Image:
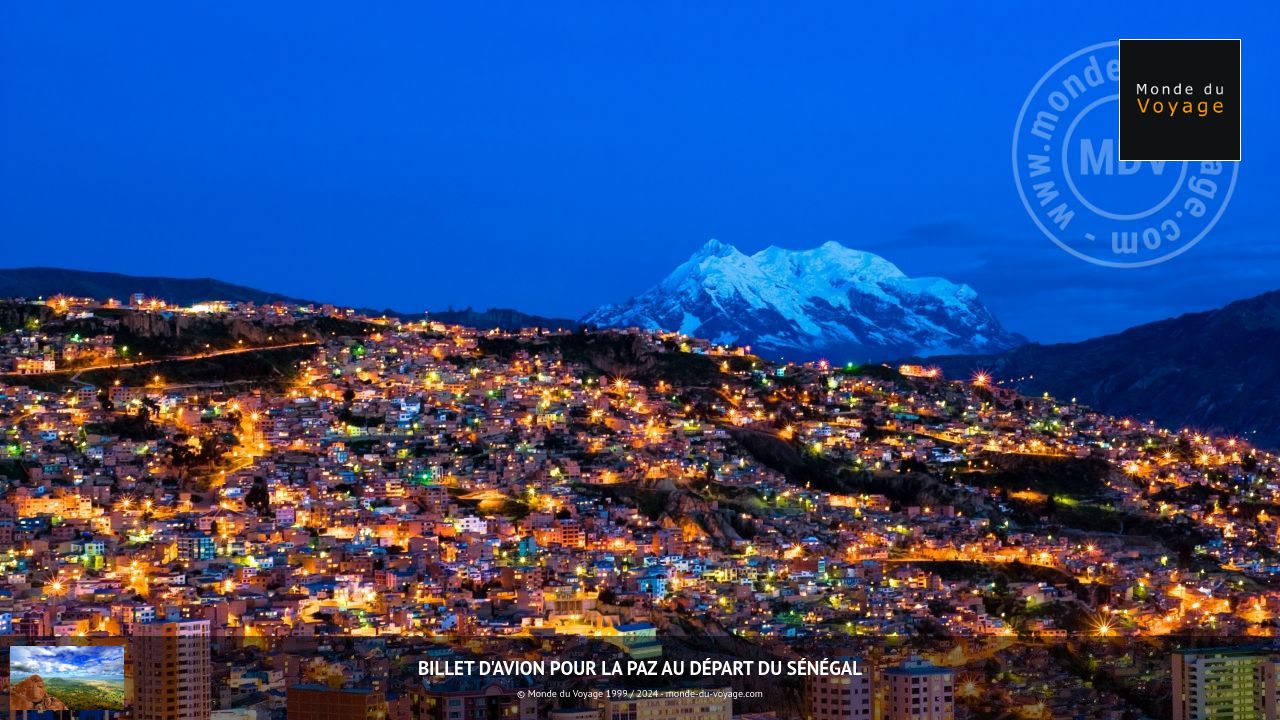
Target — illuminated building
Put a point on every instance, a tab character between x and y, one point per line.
838	697
919	690
171	668
1269	688
919	371
196	547
1221	684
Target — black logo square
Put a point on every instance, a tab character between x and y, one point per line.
1179	100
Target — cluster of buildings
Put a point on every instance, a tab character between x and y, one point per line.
64	334
914	688
416	479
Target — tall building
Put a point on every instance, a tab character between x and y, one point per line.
711	704
1269	688
195	546
838	697
919	690
320	702
1223	684
171	666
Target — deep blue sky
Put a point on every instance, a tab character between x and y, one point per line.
555	156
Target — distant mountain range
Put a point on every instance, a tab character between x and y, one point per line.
1216	371
829	302
504	318
35	282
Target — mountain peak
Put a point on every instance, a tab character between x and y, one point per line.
828	301
714	248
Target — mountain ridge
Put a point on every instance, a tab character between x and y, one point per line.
43	281
1212	370
830	301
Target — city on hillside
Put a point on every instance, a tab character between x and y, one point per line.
266	477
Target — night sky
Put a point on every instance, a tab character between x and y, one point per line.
556	156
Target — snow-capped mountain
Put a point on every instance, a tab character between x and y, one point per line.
829	302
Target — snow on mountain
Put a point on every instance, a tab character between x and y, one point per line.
830	302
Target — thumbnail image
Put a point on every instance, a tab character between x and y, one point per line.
65	678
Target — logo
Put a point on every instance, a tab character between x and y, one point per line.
1180	100
1070	178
